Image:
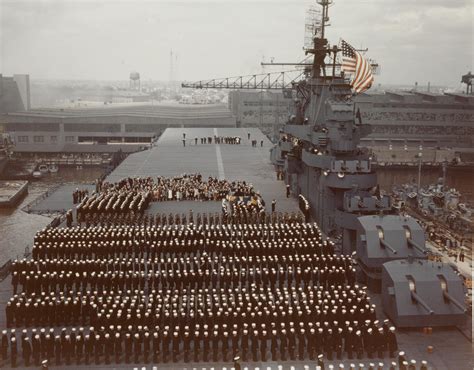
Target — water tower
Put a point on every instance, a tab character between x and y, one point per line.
135	81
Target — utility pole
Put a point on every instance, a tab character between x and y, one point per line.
420	155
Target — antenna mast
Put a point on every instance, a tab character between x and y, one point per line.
320	48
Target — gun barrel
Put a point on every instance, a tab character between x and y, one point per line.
454	301
420	301
388	246
416	246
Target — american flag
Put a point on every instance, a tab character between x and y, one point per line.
356	65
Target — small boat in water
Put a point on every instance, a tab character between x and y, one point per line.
43	168
53	168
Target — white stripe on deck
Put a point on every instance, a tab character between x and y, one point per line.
138	172
220	165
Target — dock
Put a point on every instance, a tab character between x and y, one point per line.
11	192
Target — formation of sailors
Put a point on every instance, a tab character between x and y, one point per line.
112	202
199	342
136	293
212	218
235	140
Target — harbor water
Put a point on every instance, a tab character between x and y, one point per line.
17	228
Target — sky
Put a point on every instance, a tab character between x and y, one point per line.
412	40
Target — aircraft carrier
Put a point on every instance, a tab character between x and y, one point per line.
308	259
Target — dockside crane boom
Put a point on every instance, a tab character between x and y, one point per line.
263	81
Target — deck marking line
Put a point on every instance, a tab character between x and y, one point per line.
220	165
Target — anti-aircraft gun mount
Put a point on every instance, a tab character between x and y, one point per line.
320	158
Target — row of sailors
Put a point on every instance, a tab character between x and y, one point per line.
142	344
171	239
68	280
210	220
188	264
169	232
151	250
113	203
312	303
216	218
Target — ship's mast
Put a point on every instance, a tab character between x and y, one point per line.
320	44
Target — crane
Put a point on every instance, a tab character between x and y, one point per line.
266	81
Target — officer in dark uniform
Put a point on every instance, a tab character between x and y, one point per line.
36	349
225	345
392	342
301	343
88	348
57	349
69	218
175	346
197	344
4	345
13	351
206	346
165	345
128	347
329	345
379	342
349	342
292	343
274	344
109	348
79	346
98	345
156	345
337	343
215	343
358	344
26	351
369	342
263	345
254	345
137	348
283	344
244	344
